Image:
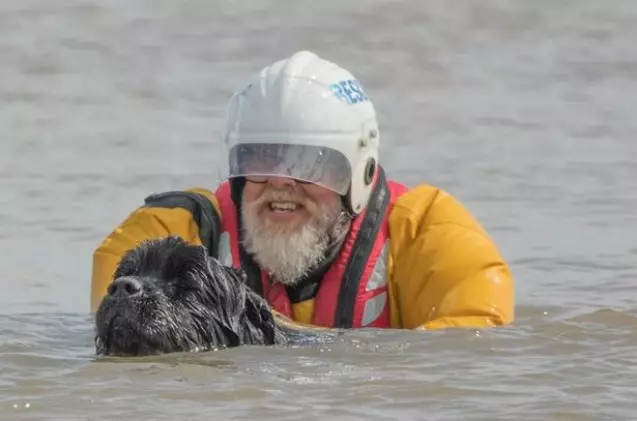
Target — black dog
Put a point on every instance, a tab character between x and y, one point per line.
169	296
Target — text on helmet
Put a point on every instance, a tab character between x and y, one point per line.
349	90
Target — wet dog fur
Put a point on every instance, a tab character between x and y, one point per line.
169	296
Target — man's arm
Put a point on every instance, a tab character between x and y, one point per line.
446	270
192	215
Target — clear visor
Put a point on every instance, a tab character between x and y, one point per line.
320	165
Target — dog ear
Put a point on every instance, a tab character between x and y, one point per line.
260	325
239	274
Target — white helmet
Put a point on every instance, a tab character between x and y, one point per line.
308	119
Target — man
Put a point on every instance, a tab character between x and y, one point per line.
308	213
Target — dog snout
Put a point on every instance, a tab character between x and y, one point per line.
124	287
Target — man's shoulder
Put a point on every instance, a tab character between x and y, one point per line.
429	204
191	198
187	192
417	198
209	194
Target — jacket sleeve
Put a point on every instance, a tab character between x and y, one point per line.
446	271
192	214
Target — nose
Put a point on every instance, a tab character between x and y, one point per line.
281	182
124	287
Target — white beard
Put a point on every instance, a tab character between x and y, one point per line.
286	252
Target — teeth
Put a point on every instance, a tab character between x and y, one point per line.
283	206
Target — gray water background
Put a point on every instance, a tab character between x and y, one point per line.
524	110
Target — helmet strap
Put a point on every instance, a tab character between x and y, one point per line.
236	190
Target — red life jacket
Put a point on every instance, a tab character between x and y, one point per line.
353	292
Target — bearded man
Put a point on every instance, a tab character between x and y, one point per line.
307	213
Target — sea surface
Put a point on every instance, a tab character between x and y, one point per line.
526	111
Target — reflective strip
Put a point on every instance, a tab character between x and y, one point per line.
378	277
374	308
225	254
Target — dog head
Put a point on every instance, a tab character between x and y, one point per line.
168	296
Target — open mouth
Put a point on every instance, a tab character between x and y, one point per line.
283	207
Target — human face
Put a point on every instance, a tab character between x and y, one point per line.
285	201
289	226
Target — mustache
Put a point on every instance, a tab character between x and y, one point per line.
279	195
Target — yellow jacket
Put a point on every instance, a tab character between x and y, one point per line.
443	270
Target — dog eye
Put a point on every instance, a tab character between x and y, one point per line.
188	283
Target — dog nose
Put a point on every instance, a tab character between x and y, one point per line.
124	287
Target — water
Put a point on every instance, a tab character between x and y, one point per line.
523	110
